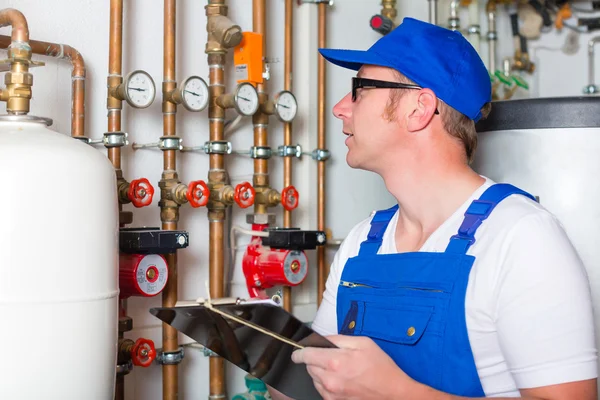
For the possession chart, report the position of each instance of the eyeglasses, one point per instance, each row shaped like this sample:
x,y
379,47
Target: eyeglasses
x,y
358,83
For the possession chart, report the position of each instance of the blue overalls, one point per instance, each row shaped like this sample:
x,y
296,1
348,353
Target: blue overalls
x,y
413,304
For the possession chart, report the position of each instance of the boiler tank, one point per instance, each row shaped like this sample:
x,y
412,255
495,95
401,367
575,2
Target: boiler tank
x,y
550,148
58,268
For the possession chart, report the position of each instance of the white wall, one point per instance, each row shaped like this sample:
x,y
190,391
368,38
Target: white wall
x,y
351,194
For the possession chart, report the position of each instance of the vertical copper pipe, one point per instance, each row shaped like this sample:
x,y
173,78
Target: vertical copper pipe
x,y
115,56
169,296
15,19
260,119
321,268
287,127
63,51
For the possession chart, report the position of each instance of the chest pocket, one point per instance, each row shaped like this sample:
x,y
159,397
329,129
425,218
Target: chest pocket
x,y
408,324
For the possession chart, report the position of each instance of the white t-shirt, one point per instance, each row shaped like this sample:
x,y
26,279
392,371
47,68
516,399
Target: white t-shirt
x,y
528,303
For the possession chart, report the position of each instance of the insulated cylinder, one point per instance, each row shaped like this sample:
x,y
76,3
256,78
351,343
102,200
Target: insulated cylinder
x,y
142,274
58,273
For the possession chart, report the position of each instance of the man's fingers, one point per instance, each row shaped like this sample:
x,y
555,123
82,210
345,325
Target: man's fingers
x,y
314,356
348,342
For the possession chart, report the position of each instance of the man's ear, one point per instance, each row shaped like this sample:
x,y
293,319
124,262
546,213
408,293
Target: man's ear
x,y
424,110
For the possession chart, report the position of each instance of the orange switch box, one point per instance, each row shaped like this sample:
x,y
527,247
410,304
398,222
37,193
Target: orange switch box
x,y
248,58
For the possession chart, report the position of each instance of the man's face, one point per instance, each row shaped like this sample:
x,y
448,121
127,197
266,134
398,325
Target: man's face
x,y
368,132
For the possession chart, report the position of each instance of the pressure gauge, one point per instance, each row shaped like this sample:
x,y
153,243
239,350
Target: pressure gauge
x,y
246,99
139,90
286,106
194,94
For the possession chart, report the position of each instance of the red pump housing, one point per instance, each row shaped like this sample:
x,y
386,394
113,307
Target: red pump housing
x,y
142,275
265,267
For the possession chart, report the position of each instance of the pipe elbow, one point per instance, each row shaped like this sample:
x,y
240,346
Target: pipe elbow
x,y
16,19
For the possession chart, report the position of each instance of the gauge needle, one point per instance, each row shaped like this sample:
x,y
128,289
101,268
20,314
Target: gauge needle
x,y
195,94
284,106
138,89
243,98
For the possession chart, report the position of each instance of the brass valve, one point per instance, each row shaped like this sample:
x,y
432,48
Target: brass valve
x,y
222,32
18,80
521,62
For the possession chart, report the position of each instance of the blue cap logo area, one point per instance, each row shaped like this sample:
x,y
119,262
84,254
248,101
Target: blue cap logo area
x,y
431,56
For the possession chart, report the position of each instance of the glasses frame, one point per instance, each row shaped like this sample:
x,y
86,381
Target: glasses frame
x,y
359,83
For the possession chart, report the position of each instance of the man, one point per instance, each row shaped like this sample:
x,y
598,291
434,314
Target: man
x,y
466,288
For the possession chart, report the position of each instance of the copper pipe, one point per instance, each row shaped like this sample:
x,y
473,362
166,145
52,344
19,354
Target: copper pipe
x,y
169,208
64,52
287,127
321,268
260,119
15,19
217,177
115,56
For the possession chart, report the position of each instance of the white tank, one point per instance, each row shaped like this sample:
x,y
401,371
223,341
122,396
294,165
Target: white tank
x,y
549,148
58,268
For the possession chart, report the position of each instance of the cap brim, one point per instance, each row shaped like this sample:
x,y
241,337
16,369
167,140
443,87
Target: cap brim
x,y
353,59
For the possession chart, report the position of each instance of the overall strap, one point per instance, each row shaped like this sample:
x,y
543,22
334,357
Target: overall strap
x,y
477,212
379,224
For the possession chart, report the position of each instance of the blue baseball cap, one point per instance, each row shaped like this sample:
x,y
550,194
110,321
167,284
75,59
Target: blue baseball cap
x,y
431,56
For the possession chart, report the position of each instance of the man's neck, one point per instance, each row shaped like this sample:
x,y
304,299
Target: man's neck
x,y
427,199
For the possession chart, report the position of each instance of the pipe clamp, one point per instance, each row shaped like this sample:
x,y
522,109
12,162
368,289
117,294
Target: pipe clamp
x,y
321,155
290,151
260,152
115,139
170,358
218,147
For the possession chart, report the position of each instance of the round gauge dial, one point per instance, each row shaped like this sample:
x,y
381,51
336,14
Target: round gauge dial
x,y
194,93
139,89
286,106
246,99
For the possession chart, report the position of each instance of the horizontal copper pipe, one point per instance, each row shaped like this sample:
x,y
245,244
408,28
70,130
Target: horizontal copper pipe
x,y
64,52
15,19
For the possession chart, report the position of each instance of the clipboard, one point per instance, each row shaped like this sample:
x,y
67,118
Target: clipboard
x,y
256,336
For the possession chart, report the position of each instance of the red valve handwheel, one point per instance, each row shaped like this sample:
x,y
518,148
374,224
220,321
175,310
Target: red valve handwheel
x,y
244,195
140,192
289,198
143,352
197,193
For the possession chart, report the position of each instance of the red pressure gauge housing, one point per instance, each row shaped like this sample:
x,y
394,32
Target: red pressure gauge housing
x,y
142,275
265,267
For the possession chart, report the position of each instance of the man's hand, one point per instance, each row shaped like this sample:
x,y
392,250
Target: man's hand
x,y
358,369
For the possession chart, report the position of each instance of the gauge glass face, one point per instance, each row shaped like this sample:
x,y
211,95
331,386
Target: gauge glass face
x,y
246,99
195,94
286,106
140,89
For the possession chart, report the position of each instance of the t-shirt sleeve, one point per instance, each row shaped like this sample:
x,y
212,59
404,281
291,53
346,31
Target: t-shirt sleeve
x,y
543,312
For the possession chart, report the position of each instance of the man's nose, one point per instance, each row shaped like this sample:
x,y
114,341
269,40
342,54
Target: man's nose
x,y
343,108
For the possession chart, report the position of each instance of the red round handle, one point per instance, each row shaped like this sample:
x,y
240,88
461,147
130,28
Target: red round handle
x,y
140,192
143,352
289,198
244,195
198,193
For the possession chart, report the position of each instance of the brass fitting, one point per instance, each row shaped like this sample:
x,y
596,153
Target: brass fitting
x,y
268,107
389,9
223,34
267,197
522,62
169,89
124,351
490,6
170,196
122,188
115,97
18,80
221,194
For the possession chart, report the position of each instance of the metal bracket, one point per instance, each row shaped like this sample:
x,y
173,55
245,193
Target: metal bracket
x,y
87,140
218,147
290,151
261,152
328,2
115,139
172,358
164,143
320,155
